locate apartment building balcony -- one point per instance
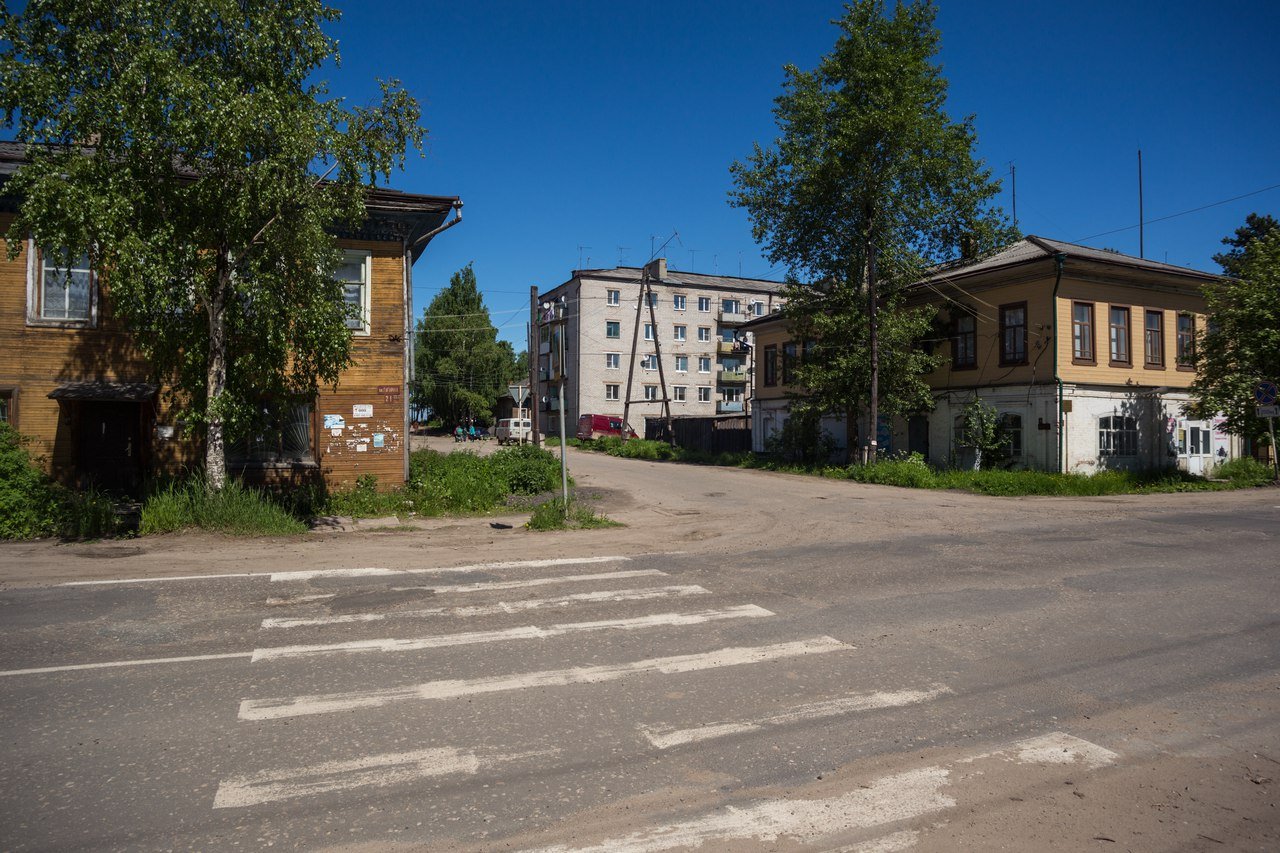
(734, 318)
(733, 377)
(732, 348)
(725, 407)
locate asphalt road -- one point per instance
(978, 675)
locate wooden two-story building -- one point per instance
(72, 380)
(1086, 354)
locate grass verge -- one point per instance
(550, 515)
(234, 509)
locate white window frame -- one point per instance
(679, 393)
(611, 391)
(648, 331)
(704, 334)
(682, 364)
(704, 304)
(680, 302)
(364, 258)
(704, 364)
(651, 393)
(649, 361)
(35, 295)
(613, 297)
(681, 333)
(613, 361)
(704, 393)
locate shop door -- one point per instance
(109, 446)
(1195, 446)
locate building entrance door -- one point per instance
(109, 447)
(1195, 446)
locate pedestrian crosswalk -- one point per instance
(503, 610)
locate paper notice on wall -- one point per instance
(362, 447)
(336, 432)
(379, 439)
(334, 422)
(362, 411)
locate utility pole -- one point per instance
(646, 289)
(535, 338)
(873, 409)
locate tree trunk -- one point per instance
(215, 452)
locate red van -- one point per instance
(595, 426)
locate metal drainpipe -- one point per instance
(1058, 260)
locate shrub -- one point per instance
(911, 472)
(1244, 471)
(365, 501)
(33, 505)
(456, 482)
(234, 509)
(527, 470)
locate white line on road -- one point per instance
(373, 770)
(602, 596)
(294, 706)
(522, 632)
(890, 799)
(664, 737)
(114, 663)
(482, 586)
(308, 574)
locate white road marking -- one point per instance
(305, 575)
(890, 799)
(603, 596)
(664, 737)
(481, 586)
(373, 770)
(308, 574)
(290, 600)
(114, 663)
(522, 632)
(325, 703)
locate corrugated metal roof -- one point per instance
(1040, 248)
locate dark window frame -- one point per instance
(1013, 351)
(1126, 328)
(1185, 345)
(1153, 344)
(771, 365)
(964, 343)
(789, 358)
(1081, 330)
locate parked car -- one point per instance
(514, 430)
(595, 426)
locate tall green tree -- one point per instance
(869, 182)
(461, 367)
(1241, 345)
(1255, 226)
(178, 145)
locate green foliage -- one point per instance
(982, 434)
(1244, 471)
(1254, 228)
(457, 482)
(235, 509)
(802, 439)
(365, 501)
(550, 515)
(910, 472)
(1242, 342)
(33, 506)
(462, 367)
(526, 469)
(197, 191)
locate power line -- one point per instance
(1176, 215)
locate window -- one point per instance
(612, 329)
(704, 333)
(788, 362)
(771, 365)
(1154, 339)
(648, 331)
(728, 335)
(682, 364)
(731, 306)
(679, 301)
(651, 392)
(353, 274)
(7, 413)
(1118, 435)
(64, 289)
(1119, 335)
(1013, 334)
(1082, 331)
(731, 394)
(679, 393)
(682, 333)
(1186, 340)
(611, 392)
(649, 362)
(757, 308)
(281, 435)
(704, 393)
(1011, 432)
(653, 299)
(704, 304)
(612, 360)
(704, 364)
(612, 297)
(964, 346)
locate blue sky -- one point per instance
(571, 129)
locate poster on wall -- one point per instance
(334, 422)
(379, 439)
(362, 411)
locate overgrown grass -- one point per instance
(234, 509)
(550, 515)
(32, 505)
(1245, 471)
